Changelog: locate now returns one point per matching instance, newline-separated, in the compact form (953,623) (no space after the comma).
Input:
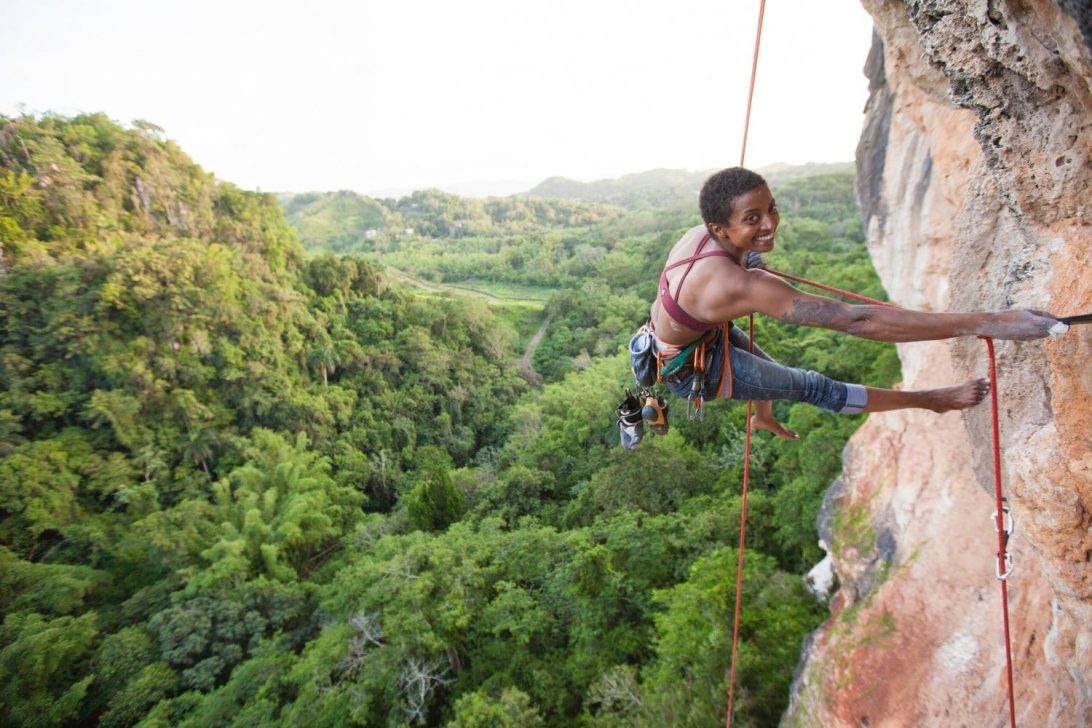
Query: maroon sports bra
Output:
(671,303)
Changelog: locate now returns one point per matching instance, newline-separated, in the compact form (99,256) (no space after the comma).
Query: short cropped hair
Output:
(721,190)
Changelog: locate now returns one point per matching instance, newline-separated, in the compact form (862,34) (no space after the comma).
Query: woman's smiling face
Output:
(753,222)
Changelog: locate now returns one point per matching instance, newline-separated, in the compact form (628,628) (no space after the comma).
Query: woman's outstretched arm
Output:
(772,296)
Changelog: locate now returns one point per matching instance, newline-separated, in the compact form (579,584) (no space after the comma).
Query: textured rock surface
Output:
(976,185)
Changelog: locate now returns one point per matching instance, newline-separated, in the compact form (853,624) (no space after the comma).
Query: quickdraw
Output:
(1005,524)
(696,400)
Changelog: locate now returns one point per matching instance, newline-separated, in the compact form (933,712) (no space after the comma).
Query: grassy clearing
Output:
(507,291)
(521,307)
(534,297)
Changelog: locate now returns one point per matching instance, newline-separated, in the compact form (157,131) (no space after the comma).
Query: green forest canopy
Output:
(249,481)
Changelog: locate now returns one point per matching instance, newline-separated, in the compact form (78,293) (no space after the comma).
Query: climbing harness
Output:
(696,367)
(690,359)
(652,365)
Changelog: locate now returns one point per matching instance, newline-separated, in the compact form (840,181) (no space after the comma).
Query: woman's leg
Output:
(944,399)
(758,379)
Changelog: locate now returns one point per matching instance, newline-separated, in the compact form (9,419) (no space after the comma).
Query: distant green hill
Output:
(665,187)
(339,219)
(779,174)
(654,188)
(343,222)
(334,214)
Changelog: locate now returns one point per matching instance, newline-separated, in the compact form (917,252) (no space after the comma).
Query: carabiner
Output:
(1008,566)
(1008,523)
(694,408)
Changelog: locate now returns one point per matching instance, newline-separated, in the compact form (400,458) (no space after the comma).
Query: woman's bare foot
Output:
(959,397)
(769,424)
(944,399)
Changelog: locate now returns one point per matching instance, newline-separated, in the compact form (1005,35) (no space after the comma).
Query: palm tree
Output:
(326,357)
(200,445)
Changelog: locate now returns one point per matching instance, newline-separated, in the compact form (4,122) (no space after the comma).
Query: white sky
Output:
(477,96)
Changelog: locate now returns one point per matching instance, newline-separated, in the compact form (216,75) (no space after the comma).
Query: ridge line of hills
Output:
(626,190)
(655,184)
(344,220)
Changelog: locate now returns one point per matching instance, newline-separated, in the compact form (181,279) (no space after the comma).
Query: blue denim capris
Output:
(755,378)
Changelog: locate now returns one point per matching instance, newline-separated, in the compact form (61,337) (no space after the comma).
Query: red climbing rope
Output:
(747,441)
(830,289)
(1001,525)
(1004,563)
(1003,531)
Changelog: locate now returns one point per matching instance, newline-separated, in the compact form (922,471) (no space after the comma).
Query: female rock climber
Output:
(713,275)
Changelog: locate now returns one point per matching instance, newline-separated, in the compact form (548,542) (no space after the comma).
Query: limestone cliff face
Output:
(975,181)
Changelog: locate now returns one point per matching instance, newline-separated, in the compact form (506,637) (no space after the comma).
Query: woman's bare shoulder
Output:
(731,291)
(687,241)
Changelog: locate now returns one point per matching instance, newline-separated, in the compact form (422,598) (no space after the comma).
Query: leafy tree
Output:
(277,512)
(519,491)
(129,679)
(513,709)
(655,478)
(434,503)
(205,637)
(687,683)
(148,688)
(55,589)
(41,680)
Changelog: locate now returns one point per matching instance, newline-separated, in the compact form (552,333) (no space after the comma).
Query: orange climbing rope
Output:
(751,90)
(747,440)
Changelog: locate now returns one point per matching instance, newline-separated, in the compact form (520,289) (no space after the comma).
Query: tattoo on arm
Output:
(815,313)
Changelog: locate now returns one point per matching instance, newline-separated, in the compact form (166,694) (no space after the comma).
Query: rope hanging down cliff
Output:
(748,429)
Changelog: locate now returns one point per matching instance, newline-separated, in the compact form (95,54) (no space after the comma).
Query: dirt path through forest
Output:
(525,360)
